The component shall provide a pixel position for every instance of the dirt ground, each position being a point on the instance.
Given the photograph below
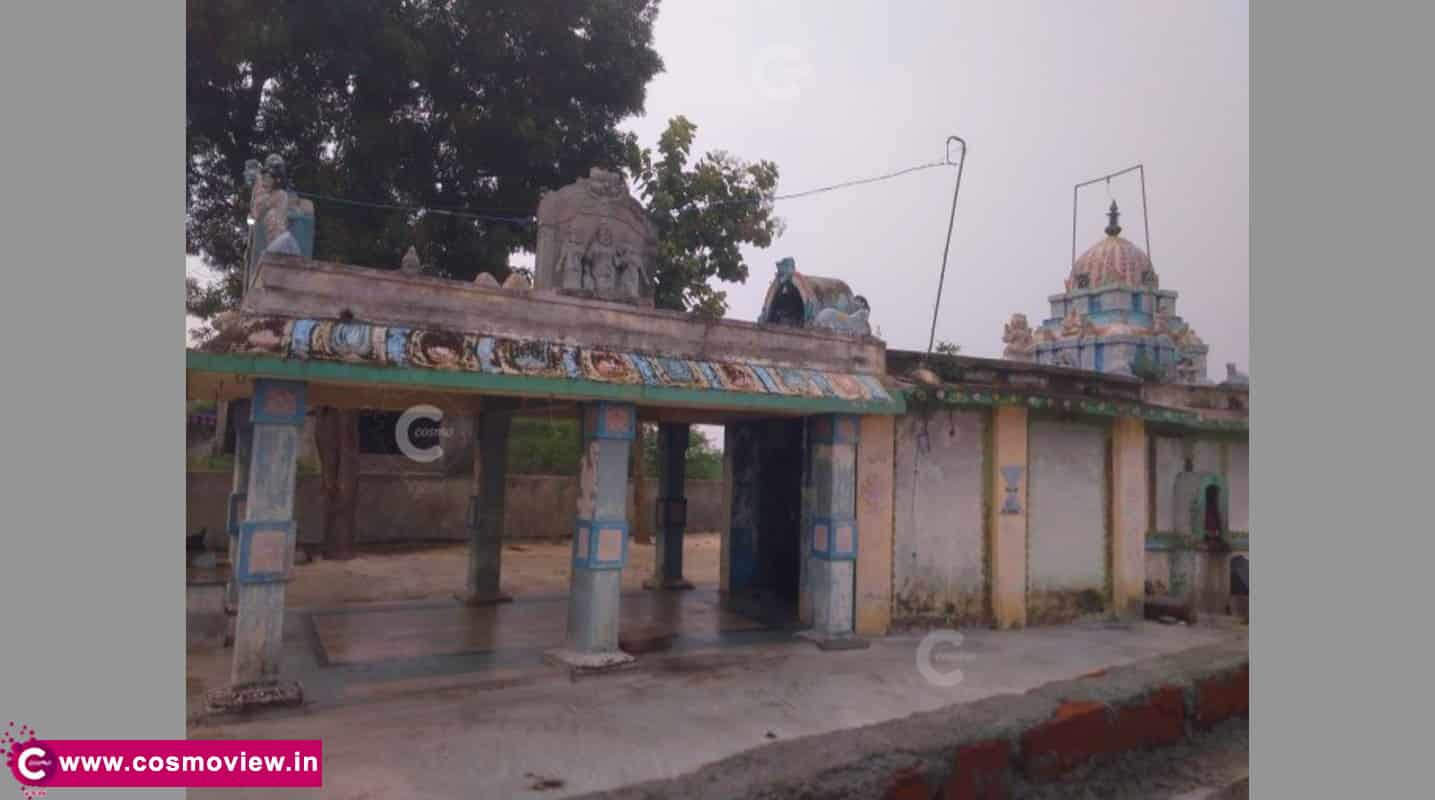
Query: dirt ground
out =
(423, 572)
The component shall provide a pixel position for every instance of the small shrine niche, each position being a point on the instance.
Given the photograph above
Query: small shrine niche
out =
(808, 301)
(1206, 500)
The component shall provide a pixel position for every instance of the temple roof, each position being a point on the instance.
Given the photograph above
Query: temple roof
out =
(1112, 261)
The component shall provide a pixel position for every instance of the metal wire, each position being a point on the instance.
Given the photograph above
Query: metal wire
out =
(1145, 218)
(941, 281)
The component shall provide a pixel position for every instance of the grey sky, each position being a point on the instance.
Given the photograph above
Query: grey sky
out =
(1046, 93)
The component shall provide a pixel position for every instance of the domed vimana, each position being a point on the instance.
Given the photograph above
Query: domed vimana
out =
(1112, 316)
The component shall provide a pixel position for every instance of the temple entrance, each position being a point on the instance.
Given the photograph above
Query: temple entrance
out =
(782, 511)
(764, 565)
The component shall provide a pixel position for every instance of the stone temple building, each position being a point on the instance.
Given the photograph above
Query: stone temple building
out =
(1113, 316)
(865, 489)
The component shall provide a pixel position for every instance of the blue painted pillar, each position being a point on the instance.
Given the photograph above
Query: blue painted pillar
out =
(600, 539)
(831, 532)
(264, 544)
(485, 513)
(239, 411)
(672, 509)
(742, 459)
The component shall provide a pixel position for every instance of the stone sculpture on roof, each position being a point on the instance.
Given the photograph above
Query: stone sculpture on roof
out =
(283, 222)
(809, 301)
(595, 240)
(1018, 339)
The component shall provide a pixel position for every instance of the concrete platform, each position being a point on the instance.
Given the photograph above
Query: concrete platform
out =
(507, 725)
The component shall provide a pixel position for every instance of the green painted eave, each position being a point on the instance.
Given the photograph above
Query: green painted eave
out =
(1168, 541)
(260, 366)
(955, 397)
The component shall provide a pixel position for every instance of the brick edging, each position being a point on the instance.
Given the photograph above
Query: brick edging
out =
(974, 750)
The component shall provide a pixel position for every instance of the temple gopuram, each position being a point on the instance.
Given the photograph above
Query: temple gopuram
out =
(1113, 316)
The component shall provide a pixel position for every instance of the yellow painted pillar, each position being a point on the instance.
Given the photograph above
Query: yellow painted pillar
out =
(1009, 516)
(875, 454)
(1129, 513)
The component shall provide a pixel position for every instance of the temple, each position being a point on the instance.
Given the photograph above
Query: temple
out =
(864, 489)
(1114, 317)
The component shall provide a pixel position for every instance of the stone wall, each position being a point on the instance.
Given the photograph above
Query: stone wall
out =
(426, 507)
(939, 548)
(1067, 527)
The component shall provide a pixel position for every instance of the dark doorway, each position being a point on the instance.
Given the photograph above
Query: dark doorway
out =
(765, 564)
(1240, 577)
(780, 551)
(1213, 512)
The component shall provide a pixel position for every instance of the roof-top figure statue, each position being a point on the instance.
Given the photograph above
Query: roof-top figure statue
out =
(810, 301)
(595, 240)
(283, 221)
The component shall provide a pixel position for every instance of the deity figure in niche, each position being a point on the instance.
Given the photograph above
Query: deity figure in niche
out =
(602, 271)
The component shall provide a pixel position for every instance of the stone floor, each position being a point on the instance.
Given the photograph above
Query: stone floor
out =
(408, 715)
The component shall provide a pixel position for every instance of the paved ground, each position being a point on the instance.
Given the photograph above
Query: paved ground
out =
(437, 571)
(506, 726)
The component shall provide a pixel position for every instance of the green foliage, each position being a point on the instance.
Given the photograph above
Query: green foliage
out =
(469, 104)
(543, 447)
(946, 348)
(1146, 368)
(704, 213)
(550, 447)
(704, 462)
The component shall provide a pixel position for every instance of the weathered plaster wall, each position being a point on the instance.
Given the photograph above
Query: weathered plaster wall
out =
(1158, 572)
(875, 472)
(411, 507)
(1238, 482)
(1206, 455)
(1168, 462)
(939, 570)
(1067, 544)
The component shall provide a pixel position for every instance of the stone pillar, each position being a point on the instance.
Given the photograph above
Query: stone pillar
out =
(485, 505)
(600, 540)
(234, 513)
(875, 455)
(742, 454)
(265, 546)
(832, 529)
(1009, 516)
(672, 508)
(640, 509)
(1129, 515)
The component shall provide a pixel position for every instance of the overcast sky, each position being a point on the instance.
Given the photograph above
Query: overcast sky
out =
(1046, 94)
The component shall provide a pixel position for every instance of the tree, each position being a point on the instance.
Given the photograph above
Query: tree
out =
(463, 104)
(704, 462)
(703, 214)
(946, 348)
